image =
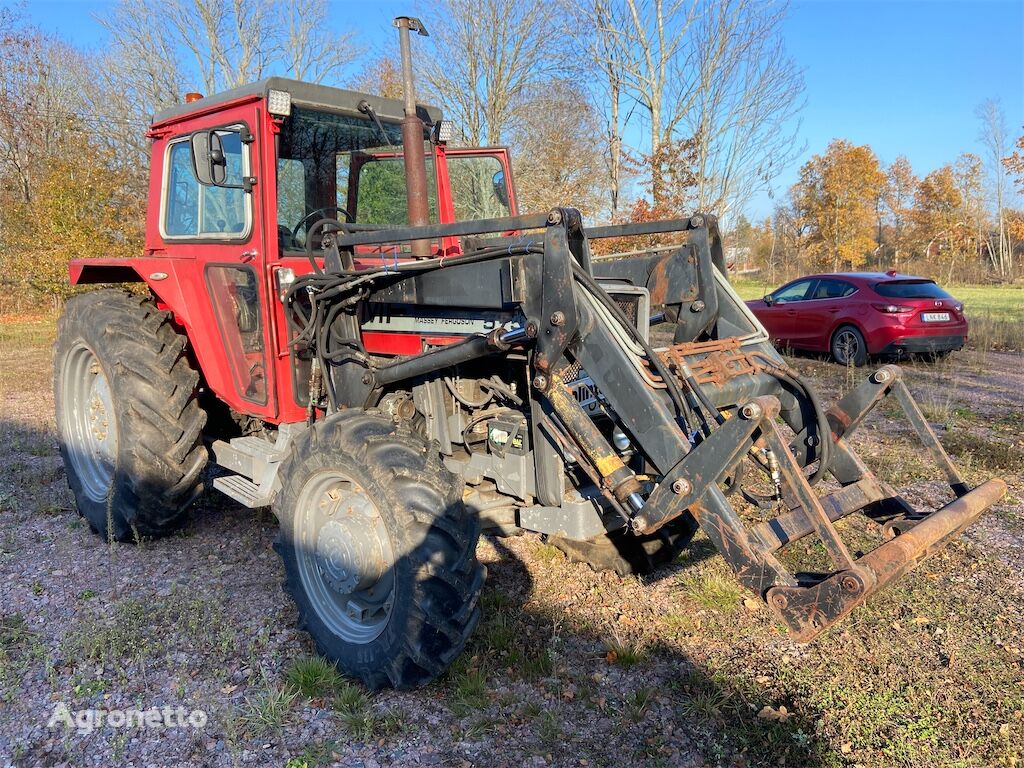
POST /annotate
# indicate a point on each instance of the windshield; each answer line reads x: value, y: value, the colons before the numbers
x: 319, y: 153
x: 910, y: 289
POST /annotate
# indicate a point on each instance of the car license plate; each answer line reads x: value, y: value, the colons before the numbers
x: 935, y: 317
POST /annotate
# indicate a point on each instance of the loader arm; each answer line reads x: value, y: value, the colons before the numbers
x: 694, y: 412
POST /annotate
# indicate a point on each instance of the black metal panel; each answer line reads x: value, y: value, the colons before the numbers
x: 484, y: 285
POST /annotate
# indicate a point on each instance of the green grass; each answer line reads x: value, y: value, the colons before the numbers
x: 313, y: 677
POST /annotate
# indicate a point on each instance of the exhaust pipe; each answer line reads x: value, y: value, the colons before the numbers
x: 412, y: 137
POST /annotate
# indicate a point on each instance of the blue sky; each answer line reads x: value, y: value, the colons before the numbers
x: 901, y: 75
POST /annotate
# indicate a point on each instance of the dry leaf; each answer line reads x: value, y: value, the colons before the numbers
x: 846, y: 747
x: 228, y: 688
x: 611, y: 657
x: 771, y: 713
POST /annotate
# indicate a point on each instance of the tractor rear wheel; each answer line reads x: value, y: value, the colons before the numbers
x: 622, y: 552
x: 379, y: 551
x: 128, y: 420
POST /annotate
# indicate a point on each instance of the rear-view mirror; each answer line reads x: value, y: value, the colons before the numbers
x: 208, y: 160
x: 500, y: 190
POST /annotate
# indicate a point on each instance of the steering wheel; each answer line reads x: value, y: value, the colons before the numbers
x: 349, y: 219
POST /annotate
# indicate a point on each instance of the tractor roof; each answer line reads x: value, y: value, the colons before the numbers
x: 303, y: 94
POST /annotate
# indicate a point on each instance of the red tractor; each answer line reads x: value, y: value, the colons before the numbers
x: 348, y: 320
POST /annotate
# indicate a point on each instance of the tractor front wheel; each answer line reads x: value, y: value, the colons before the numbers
x: 128, y: 420
x: 379, y: 551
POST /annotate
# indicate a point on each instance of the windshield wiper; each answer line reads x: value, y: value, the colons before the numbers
x: 364, y: 107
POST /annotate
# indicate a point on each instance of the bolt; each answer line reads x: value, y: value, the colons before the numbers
x: 850, y: 584
x: 555, y: 217
x: 751, y: 411
x: 881, y: 376
x: 779, y: 601
x: 558, y: 318
x: 531, y: 329
x: 696, y: 221
x: 697, y: 306
x: 681, y: 487
x: 367, y: 378
x: 540, y: 381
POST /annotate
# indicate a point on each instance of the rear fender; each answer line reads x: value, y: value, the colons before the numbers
x: 174, y: 285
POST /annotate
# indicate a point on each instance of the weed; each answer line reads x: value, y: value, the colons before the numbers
x: 312, y: 677
x: 719, y: 593
x: 470, y: 689
x: 268, y: 709
x: 638, y: 702
x: 625, y: 652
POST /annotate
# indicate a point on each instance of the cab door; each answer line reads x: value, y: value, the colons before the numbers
x: 217, y: 221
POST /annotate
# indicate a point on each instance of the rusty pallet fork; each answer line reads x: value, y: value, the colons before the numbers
x: 811, y: 603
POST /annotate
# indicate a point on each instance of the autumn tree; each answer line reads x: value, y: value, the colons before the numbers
x: 898, y: 200
x: 939, y: 217
x: 1014, y: 164
x: 837, y: 196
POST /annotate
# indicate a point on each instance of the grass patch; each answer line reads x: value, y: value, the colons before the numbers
x: 269, y: 708
x: 626, y: 652
x: 312, y: 677
x: 983, y: 453
x: 718, y: 593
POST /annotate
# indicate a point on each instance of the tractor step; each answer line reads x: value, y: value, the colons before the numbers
x: 244, y: 491
x: 255, y: 462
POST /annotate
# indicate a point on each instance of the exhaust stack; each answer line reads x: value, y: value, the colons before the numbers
x: 412, y: 137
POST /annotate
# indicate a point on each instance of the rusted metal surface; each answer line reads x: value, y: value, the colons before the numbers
x: 808, y: 611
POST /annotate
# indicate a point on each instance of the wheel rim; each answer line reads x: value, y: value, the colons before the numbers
x: 847, y: 346
x: 90, y: 426
x: 345, y: 558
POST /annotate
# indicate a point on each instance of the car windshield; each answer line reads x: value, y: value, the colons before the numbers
x: 910, y: 289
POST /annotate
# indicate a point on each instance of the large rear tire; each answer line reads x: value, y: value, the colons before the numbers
x: 379, y: 551
x: 128, y: 420
x: 625, y: 554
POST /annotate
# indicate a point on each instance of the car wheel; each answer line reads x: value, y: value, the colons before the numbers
x: 848, y: 347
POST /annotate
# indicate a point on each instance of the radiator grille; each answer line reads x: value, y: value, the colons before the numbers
x: 634, y: 303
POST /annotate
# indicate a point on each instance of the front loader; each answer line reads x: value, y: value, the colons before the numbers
x: 391, y: 389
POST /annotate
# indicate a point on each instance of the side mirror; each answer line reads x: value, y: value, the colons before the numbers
x: 208, y: 160
x: 500, y: 190
x: 768, y: 299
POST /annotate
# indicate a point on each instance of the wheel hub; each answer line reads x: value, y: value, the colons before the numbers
x: 88, y: 421
x: 345, y: 556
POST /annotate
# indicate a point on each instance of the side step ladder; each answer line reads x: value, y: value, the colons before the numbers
x: 255, y: 462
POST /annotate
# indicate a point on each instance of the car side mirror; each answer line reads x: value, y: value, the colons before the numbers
x: 768, y: 299
x: 500, y: 190
x: 208, y: 160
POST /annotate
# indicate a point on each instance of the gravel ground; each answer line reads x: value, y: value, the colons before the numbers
x: 568, y: 668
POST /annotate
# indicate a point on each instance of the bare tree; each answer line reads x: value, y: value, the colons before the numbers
x: 227, y: 43
x: 558, y: 161
x: 995, y: 137
x: 486, y: 55
x: 712, y: 78
x: 744, y: 93
x: 607, y: 54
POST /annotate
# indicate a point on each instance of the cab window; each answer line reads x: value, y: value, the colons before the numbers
x: 195, y: 211
x: 479, y: 187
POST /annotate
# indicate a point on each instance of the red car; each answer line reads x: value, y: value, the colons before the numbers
x: 856, y: 314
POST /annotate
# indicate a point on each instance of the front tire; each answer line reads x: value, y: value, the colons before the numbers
x: 379, y: 551
x: 128, y: 420
x: 848, y: 346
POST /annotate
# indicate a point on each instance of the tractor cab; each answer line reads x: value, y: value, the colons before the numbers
x: 243, y: 177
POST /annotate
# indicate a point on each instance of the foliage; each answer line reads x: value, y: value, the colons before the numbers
x: 838, y: 194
